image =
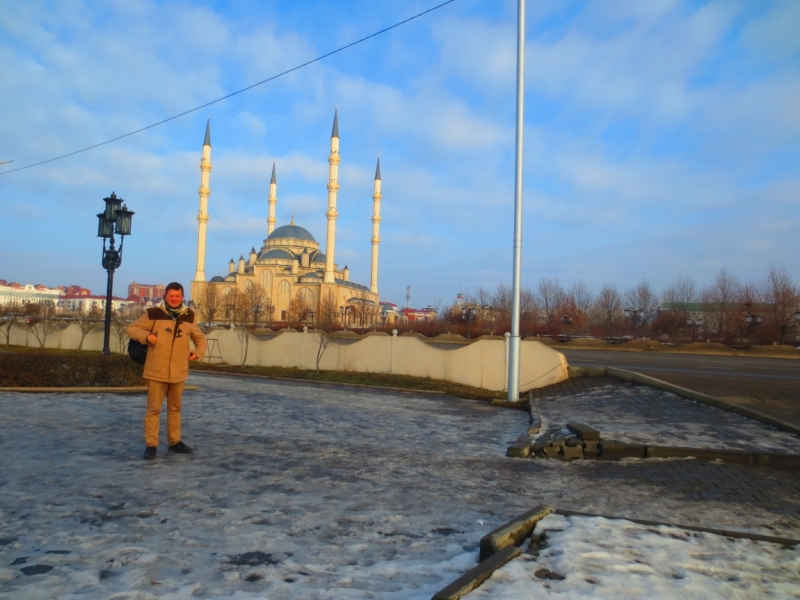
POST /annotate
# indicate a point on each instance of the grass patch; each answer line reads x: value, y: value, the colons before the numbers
x: 57, y: 370
x: 387, y: 380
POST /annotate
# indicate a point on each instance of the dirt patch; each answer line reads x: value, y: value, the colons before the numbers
x: 705, y: 348
x: 643, y: 345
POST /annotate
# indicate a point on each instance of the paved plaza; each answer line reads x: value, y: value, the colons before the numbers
x: 316, y: 491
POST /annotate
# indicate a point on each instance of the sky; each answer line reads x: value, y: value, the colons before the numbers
x: 661, y: 138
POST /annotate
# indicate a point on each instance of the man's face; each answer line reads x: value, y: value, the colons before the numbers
x: 174, y: 298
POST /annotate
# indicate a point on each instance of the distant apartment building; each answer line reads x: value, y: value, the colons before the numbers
x: 146, y: 291
x: 17, y: 294
x: 85, y: 303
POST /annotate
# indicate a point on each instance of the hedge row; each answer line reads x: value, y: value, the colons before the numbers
x: 69, y: 370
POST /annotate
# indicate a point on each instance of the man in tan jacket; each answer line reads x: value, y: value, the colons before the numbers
x: 166, y: 330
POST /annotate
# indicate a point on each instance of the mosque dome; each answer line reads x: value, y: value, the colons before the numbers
x: 292, y: 231
x: 278, y: 252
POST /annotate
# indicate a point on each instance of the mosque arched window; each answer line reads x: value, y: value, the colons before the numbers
x: 266, y: 279
x: 284, y: 287
x: 247, y: 285
x: 226, y: 291
x: 306, y: 295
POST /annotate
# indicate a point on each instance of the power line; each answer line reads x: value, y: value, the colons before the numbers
x: 249, y: 87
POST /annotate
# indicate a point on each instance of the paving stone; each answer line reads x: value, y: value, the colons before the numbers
x: 734, y: 456
x: 573, y: 441
x: 583, y: 431
x: 512, y: 533
x: 776, y: 460
x: 611, y: 451
x: 572, y: 452
x: 476, y: 576
x: 551, y: 451
x: 591, y: 446
x: 519, y: 450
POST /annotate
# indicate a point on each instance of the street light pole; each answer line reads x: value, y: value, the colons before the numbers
x: 514, y: 340
x: 113, y: 220
x: 469, y: 315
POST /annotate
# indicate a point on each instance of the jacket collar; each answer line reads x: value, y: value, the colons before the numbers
x: 163, y: 306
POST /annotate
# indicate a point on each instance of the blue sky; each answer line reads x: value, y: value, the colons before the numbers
x: 661, y: 137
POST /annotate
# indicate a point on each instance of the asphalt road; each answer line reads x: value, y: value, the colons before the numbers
x: 768, y: 385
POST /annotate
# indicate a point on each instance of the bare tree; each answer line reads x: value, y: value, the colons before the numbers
x: 720, y: 299
x: 235, y: 307
x: 40, y: 321
x: 209, y: 303
x: 327, y: 321
x: 437, y: 306
x: 607, y: 307
x: 502, y: 300
x: 641, y: 298
x: 549, y: 295
x: 258, y: 301
x: 679, y: 299
x: 527, y: 308
x: 119, y: 327
x: 581, y: 300
x: 86, y: 321
x: 9, y: 318
x: 782, y: 299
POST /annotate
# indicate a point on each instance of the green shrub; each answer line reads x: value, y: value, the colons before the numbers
x: 69, y: 370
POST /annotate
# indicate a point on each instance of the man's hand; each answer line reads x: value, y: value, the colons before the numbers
x: 151, y: 339
x: 192, y: 356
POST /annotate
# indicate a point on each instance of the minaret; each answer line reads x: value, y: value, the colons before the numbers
x: 333, y: 189
x: 273, y: 200
x: 202, y: 215
x: 376, y: 224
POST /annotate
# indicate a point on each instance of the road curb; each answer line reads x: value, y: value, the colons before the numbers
x: 361, y: 385
x: 86, y: 390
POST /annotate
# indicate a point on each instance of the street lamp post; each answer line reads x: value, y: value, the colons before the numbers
x: 797, y: 317
x: 566, y: 321
x: 256, y: 311
x: 753, y: 321
x: 115, y: 219
x: 469, y: 315
x: 634, y: 315
x: 693, y: 323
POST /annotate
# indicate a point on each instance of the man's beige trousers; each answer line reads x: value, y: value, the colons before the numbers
x: 156, y: 391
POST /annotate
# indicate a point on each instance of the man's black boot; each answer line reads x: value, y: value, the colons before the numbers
x: 150, y: 453
x: 181, y: 448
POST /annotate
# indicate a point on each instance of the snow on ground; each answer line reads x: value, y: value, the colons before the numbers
x: 638, y: 414
x: 305, y: 491
x: 601, y: 558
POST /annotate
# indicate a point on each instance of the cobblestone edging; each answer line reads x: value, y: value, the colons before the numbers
x: 87, y: 390
x: 504, y: 544
x: 584, y: 441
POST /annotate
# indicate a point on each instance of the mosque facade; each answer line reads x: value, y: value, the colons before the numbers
x: 295, y: 277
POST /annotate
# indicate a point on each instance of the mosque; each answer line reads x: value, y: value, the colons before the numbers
x: 289, y: 266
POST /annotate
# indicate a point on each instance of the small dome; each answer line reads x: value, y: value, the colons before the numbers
x: 319, y: 257
x: 277, y: 253
x: 292, y: 231
x: 216, y: 279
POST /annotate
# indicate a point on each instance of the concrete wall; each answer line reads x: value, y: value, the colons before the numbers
x: 482, y: 363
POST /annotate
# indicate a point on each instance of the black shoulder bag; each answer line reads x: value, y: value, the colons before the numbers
x: 138, y: 351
